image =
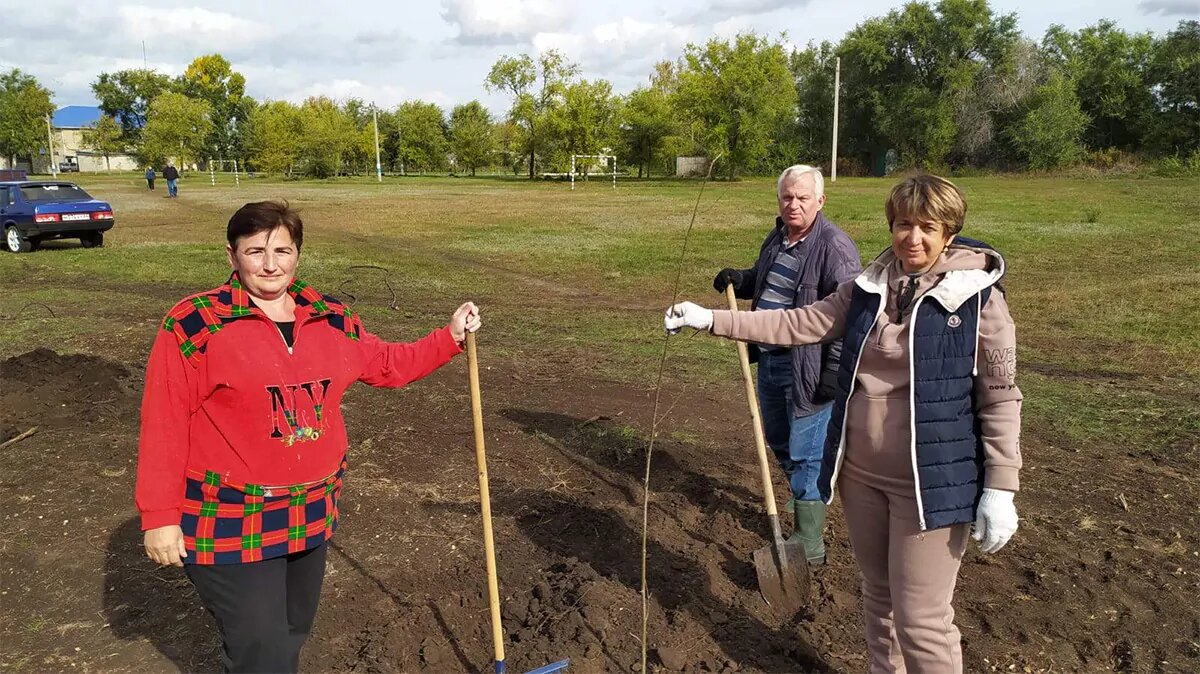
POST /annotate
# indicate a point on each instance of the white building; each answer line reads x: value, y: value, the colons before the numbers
x: 70, y: 154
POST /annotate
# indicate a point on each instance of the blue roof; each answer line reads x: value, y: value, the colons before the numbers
x: 76, y: 116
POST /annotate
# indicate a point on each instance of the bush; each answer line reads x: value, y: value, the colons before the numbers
x: 1177, y: 166
x: 1049, y: 134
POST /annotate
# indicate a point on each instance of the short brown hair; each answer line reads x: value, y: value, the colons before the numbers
x: 927, y: 197
x: 261, y: 216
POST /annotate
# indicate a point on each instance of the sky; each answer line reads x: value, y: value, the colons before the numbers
x: 441, y: 50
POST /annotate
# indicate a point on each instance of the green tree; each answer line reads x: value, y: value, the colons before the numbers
x: 106, y: 138
x: 647, y: 121
x: 910, y: 67
x: 389, y: 139
x: 423, y: 143
x: 240, y: 139
x: 586, y: 122
x: 274, y: 137
x: 24, y: 106
x: 126, y: 96
x: 326, y: 132
x: 360, y: 152
x: 1109, y: 68
x: 1048, y: 136
x: 211, y: 78
x: 471, y: 136
x: 177, y: 126
x: 807, y: 136
x: 738, y: 93
x: 1174, y: 78
x: 510, y: 145
x: 537, y: 89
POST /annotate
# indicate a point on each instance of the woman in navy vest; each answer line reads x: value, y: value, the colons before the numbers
x: 924, y: 436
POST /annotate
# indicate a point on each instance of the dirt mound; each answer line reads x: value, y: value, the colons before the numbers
x: 52, y: 390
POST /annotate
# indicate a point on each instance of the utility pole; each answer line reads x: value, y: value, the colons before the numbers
x: 378, y: 165
x: 837, y: 88
x: 50, y: 146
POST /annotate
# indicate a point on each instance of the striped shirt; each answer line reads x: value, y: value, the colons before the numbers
x: 779, y: 289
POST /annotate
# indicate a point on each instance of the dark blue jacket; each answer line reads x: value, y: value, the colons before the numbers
x: 832, y: 260
x: 946, y: 448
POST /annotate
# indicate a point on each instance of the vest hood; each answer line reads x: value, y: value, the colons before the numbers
x: 966, y: 266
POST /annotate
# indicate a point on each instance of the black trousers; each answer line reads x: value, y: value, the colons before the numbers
x: 150, y: 182
x: 264, y: 610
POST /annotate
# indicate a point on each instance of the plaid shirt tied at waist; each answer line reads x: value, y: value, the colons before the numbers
x: 228, y: 522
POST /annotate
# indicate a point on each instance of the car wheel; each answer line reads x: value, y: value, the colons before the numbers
x: 14, y: 242
x: 92, y: 239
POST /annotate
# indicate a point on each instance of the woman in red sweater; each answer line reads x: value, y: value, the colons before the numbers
x: 242, y: 444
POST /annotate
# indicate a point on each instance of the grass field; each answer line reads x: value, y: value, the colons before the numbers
x: 1104, y: 284
x: 1104, y: 276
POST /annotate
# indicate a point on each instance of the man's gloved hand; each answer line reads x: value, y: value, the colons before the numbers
x: 725, y: 277
x: 689, y: 315
x: 995, y: 519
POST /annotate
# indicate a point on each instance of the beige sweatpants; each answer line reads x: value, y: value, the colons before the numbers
x: 908, y: 581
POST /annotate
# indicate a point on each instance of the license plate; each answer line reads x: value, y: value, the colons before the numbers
x: 76, y: 216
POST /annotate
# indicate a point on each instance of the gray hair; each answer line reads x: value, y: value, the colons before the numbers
x: 796, y: 171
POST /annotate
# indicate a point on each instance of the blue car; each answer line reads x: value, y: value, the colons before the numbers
x: 32, y: 211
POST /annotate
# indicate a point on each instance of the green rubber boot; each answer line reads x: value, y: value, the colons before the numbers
x: 809, y: 529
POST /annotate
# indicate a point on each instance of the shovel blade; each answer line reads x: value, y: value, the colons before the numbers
x: 783, y: 577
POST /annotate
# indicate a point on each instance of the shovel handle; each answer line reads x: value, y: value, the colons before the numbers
x: 760, y: 443
x: 485, y: 500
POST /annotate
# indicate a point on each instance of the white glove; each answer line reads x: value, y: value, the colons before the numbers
x: 687, y: 314
x: 995, y: 519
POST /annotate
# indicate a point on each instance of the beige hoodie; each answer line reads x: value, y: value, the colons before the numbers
x: 877, y: 435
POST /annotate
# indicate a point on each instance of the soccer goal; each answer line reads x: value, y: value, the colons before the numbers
x: 590, y: 160
x: 216, y: 166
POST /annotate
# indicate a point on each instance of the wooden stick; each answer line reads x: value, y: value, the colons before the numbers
x: 760, y: 444
x: 19, y: 438
x: 485, y: 501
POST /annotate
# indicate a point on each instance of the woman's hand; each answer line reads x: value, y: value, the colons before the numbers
x: 465, y: 319
x: 689, y: 315
x: 995, y: 519
x: 164, y: 545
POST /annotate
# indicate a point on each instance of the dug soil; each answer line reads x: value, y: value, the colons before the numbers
x: 1101, y: 576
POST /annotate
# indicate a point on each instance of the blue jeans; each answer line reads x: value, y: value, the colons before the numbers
x: 172, y: 188
x: 798, y: 442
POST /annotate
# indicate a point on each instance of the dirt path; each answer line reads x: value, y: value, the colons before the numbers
x: 1112, y: 590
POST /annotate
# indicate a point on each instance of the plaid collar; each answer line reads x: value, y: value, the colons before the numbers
x: 234, y: 302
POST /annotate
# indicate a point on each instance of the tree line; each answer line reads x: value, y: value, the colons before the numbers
x: 947, y: 85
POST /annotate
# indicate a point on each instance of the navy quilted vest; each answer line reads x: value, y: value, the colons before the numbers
x: 949, y: 454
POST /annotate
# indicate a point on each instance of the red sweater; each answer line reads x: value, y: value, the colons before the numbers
x: 224, y: 394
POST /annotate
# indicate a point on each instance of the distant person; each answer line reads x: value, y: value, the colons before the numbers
x: 924, y: 440
x: 150, y: 177
x: 804, y: 258
x: 243, y: 443
x: 171, y: 174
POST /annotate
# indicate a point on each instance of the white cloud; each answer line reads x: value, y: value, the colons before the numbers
x: 731, y: 27
x: 192, y: 24
x: 723, y: 10
x: 1170, y: 7
x: 492, y: 22
x: 627, y: 46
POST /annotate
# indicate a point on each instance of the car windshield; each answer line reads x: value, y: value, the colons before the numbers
x: 54, y: 192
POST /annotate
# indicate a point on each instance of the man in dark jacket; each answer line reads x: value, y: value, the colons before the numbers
x: 171, y: 175
x: 804, y: 259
